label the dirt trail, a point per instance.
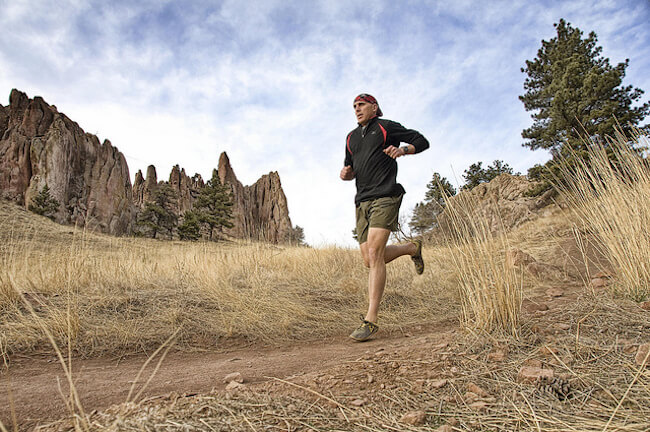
(32, 383)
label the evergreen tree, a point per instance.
(158, 215)
(190, 229)
(425, 213)
(574, 93)
(497, 168)
(44, 203)
(214, 205)
(476, 174)
(297, 236)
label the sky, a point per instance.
(272, 83)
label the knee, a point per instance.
(366, 261)
(375, 255)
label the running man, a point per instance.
(371, 151)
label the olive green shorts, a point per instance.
(377, 213)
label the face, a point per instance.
(364, 111)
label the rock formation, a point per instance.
(186, 188)
(260, 211)
(143, 187)
(39, 145)
(502, 203)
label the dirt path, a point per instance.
(31, 384)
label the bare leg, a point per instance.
(377, 238)
(396, 251)
(391, 252)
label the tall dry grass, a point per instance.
(490, 289)
(610, 195)
(98, 294)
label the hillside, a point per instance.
(280, 317)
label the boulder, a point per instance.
(517, 258)
(530, 374)
(599, 283)
(415, 418)
(234, 377)
(643, 355)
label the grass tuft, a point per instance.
(609, 192)
(490, 289)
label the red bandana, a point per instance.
(370, 99)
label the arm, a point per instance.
(397, 133)
(347, 173)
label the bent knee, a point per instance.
(366, 261)
(375, 254)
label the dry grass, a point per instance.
(94, 294)
(612, 201)
(490, 290)
(118, 295)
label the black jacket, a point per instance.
(375, 171)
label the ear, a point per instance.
(375, 107)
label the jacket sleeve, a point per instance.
(348, 153)
(399, 134)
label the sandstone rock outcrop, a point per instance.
(260, 211)
(39, 145)
(187, 188)
(501, 203)
(143, 187)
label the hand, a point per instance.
(394, 152)
(347, 173)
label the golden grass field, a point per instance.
(92, 294)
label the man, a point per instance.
(371, 151)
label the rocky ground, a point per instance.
(576, 364)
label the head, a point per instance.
(366, 108)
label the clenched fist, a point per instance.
(394, 152)
(347, 173)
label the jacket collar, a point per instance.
(371, 121)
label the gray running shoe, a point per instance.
(417, 258)
(364, 331)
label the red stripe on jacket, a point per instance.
(382, 131)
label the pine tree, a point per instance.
(158, 215)
(476, 174)
(425, 213)
(214, 205)
(44, 203)
(297, 236)
(190, 229)
(574, 93)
